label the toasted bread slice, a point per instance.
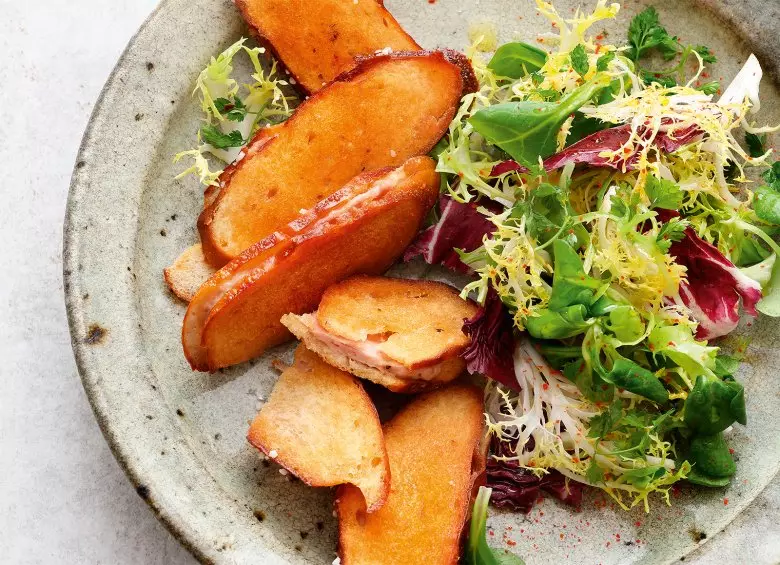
(317, 40)
(320, 425)
(385, 111)
(301, 327)
(188, 273)
(362, 228)
(434, 445)
(405, 335)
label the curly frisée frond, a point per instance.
(262, 102)
(549, 425)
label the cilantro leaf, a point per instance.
(673, 230)
(602, 63)
(579, 60)
(214, 137)
(646, 32)
(663, 193)
(755, 144)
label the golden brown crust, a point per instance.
(389, 108)
(431, 445)
(450, 369)
(188, 273)
(236, 315)
(320, 425)
(327, 36)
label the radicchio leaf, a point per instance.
(588, 150)
(518, 489)
(714, 286)
(492, 342)
(460, 226)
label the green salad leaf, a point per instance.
(478, 552)
(516, 60)
(663, 193)
(756, 144)
(646, 32)
(561, 324)
(714, 404)
(634, 378)
(579, 60)
(711, 456)
(528, 130)
(570, 283)
(216, 138)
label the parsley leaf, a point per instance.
(594, 474)
(602, 63)
(214, 137)
(579, 60)
(667, 81)
(673, 230)
(709, 87)
(755, 144)
(705, 53)
(646, 32)
(772, 176)
(234, 110)
(663, 193)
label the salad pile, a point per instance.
(617, 211)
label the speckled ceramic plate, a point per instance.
(180, 435)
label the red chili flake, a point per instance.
(617, 537)
(546, 386)
(731, 451)
(725, 502)
(638, 540)
(491, 533)
(637, 523)
(511, 543)
(522, 530)
(609, 543)
(705, 75)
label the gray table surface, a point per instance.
(63, 497)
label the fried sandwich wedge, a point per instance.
(320, 425)
(386, 110)
(405, 335)
(436, 458)
(317, 40)
(361, 229)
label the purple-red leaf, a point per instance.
(460, 226)
(714, 286)
(517, 489)
(588, 150)
(492, 342)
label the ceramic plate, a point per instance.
(180, 435)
